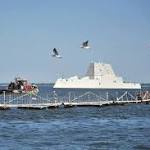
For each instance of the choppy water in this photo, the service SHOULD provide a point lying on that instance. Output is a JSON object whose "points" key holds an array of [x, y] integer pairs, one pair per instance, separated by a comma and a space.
{"points": [[114, 127]]}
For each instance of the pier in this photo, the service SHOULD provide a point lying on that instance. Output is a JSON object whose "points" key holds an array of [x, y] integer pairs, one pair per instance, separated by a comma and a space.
{"points": [[88, 99]]}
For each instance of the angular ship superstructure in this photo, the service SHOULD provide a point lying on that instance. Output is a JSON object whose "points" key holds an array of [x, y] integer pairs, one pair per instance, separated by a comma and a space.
{"points": [[99, 76]]}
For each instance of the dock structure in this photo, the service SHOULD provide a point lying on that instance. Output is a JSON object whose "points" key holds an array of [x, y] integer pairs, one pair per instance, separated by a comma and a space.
{"points": [[102, 104], [125, 98], [39, 106], [4, 107], [85, 104], [30, 106], [28, 101]]}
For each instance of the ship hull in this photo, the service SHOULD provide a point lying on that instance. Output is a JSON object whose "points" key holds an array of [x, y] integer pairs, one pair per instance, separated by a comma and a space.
{"points": [[94, 85]]}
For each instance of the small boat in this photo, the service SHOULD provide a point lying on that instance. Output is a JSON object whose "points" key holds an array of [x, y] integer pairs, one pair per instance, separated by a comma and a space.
{"points": [[20, 86]]}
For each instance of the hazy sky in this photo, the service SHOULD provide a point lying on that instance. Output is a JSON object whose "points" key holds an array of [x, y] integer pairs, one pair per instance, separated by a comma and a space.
{"points": [[118, 32]]}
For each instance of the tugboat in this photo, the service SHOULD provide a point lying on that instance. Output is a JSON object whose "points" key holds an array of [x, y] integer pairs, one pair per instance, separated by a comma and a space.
{"points": [[20, 86]]}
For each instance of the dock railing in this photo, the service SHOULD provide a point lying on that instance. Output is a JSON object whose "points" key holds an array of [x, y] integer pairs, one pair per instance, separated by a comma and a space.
{"points": [[87, 98]]}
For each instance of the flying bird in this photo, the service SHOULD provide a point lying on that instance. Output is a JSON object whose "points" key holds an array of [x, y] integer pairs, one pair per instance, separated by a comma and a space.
{"points": [[85, 45], [55, 53]]}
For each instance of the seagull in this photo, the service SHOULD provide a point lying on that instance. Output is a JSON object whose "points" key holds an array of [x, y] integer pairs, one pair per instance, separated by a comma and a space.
{"points": [[55, 53], [85, 45]]}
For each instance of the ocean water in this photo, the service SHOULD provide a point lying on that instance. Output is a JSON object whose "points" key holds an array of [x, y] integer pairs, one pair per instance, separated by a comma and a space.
{"points": [[87, 128]]}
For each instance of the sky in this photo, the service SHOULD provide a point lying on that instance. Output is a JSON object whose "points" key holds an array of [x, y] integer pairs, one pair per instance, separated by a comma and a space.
{"points": [[118, 32]]}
